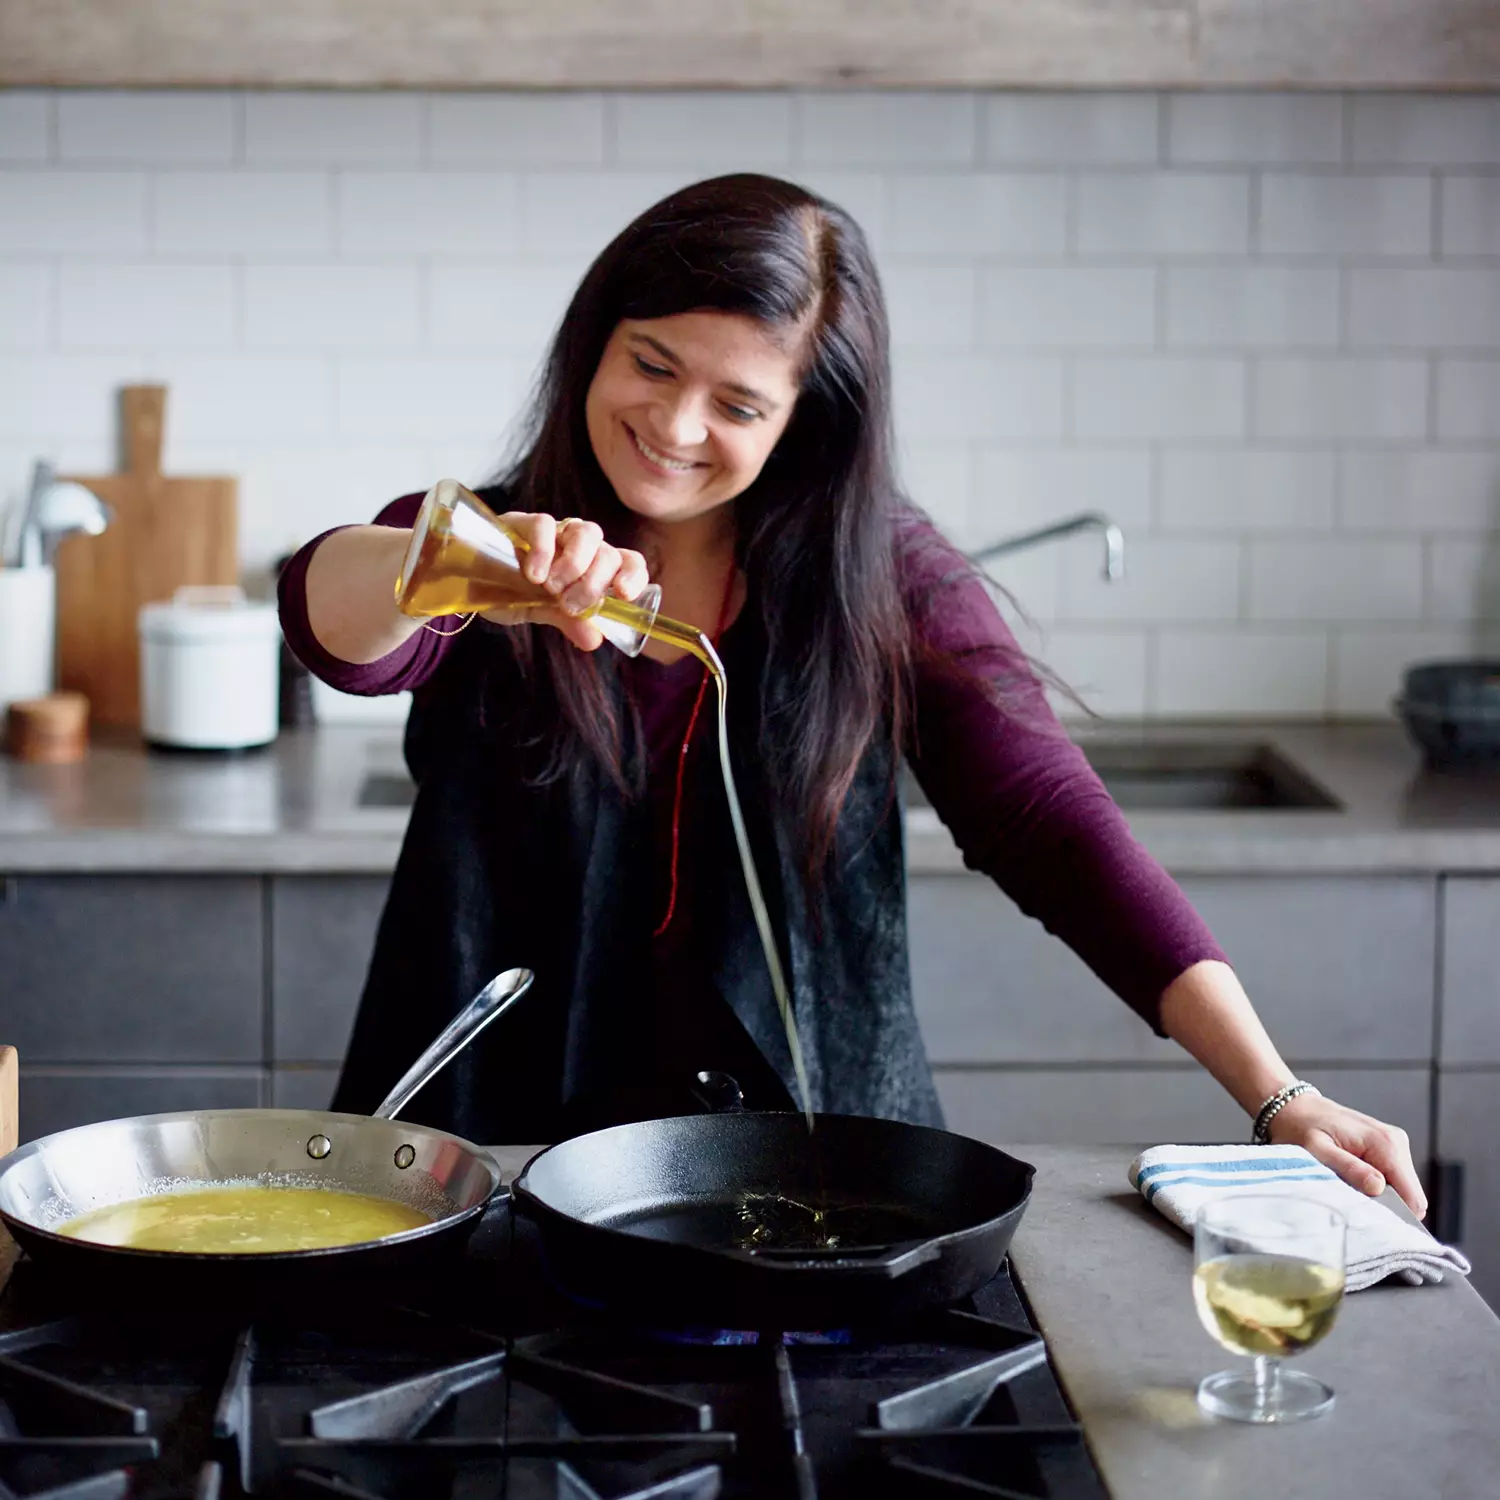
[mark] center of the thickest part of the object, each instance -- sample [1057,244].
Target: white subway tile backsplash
[438,213]
[243,213]
[26,305]
[1323,214]
[429,397]
[1432,491]
[1252,307]
[747,132]
[1016,489]
[1313,400]
[148,127]
[1158,398]
[1166,578]
[1424,307]
[332,307]
[939,478]
[57,212]
[932,307]
[1069,129]
[1108,670]
[1216,672]
[1163,213]
[864,196]
[887,129]
[512,307]
[121,306]
[1353,578]
[963,396]
[1463,578]
[1471,216]
[1369,663]
[59,403]
[1468,400]
[1184,310]
[289,493]
[978,214]
[25,131]
[584,211]
[517,130]
[1068,307]
[1425,131]
[237,397]
[1259,129]
[1246,490]
[302,128]
[1025,587]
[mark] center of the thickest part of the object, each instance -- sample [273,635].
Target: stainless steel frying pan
[48,1181]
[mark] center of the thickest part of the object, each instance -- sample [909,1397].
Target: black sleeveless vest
[495,872]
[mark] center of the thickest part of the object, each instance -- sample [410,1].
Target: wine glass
[1267,1281]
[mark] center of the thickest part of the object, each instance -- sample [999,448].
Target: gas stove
[483,1382]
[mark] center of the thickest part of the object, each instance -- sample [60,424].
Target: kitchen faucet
[1089,520]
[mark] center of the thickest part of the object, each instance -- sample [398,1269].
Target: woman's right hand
[574,563]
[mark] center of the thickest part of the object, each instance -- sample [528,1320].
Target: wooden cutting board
[166,532]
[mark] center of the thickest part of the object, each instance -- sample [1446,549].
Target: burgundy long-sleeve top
[1021,801]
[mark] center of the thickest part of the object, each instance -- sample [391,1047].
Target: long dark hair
[814,532]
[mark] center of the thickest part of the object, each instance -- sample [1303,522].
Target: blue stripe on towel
[1319,1174]
[1238,1164]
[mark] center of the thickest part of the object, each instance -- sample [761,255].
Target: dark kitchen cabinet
[323,931]
[1467,1115]
[1470,1015]
[1340,969]
[132,968]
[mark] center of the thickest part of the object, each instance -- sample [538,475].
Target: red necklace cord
[682,758]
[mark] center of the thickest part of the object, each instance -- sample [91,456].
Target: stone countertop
[294,807]
[1415,1370]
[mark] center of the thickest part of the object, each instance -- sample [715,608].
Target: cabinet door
[323,932]
[60,1098]
[1135,1107]
[1340,968]
[132,968]
[1470,1015]
[1468,1125]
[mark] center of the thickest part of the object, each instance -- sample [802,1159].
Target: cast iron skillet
[48,1181]
[642,1218]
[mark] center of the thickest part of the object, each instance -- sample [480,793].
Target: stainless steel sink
[1141,777]
[1192,777]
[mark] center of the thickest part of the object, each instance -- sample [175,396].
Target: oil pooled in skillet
[250,1220]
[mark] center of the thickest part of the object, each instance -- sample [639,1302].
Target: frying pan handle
[491,1002]
[887,1267]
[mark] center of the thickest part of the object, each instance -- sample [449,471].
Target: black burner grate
[373,1401]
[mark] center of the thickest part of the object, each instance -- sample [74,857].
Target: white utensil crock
[28,625]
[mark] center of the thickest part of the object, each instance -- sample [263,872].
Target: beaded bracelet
[1261,1136]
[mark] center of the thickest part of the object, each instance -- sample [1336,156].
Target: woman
[714,416]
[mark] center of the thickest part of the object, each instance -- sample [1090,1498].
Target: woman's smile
[656,460]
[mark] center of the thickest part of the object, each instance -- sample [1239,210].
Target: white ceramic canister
[27,627]
[209,662]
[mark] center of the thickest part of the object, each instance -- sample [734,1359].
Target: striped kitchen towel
[1179,1180]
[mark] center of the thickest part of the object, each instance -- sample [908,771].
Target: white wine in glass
[1268,1281]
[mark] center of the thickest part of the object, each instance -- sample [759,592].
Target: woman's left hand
[1365,1152]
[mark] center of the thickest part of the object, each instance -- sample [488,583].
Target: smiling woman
[714,417]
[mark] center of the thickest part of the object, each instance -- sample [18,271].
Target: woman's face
[684,411]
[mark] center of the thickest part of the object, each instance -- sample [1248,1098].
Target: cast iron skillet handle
[491,1002]
[895,1262]
[719,1093]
